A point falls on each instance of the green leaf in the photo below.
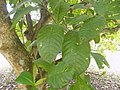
(76, 52)
(27, 44)
(37, 1)
(78, 6)
(39, 82)
(12, 2)
(25, 78)
(49, 41)
(104, 4)
(110, 8)
(17, 6)
(34, 88)
(72, 2)
(34, 72)
(59, 77)
(59, 8)
(77, 19)
(50, 88)
(97, 39)
(20, 13)
(92, 27)
(43, 64)
(20, 24)
(81, 84)
(100, 60)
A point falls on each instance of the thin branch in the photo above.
(43, 20)
(29, 32)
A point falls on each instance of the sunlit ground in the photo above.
(113, 60)
(4, 64)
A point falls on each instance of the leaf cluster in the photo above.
(74, 23)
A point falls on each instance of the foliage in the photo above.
(50, 39)
(27, 78)
(73, 25)
(109, 41)
(83, 83)
(100, 60)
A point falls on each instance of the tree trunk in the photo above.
(10, 45)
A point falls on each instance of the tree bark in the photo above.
(10, 45)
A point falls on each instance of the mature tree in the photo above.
(65, 26)
(10, 45)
